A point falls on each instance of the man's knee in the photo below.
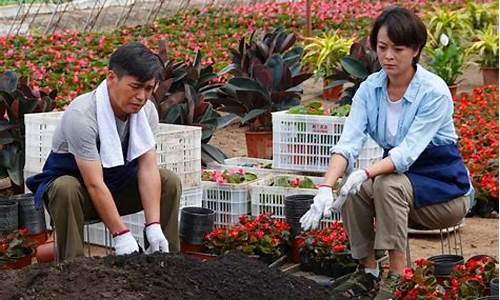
(63, 191)
(170, 181)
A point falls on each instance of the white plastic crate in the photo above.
(249, 164)
(266, 198)
(228, 200)
(178, 147)
(303, 142)
(135, 222)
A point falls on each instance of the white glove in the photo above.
(156, 239)
(351, 187)
(321, 207)
(125, 244)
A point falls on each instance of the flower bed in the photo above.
(326, 251)
(467, 280)
(476, 120)
(264, 236)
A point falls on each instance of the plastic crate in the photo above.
(228, 200)
(303, 142)
(266, 198)
(135, 222)
(178, 147)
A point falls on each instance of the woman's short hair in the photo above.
(136, 60)
(404, 28)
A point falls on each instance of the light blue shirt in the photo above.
(426, 119)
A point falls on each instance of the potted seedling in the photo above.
(485, 47)
(16, 250)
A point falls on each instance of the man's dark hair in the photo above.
(135, 60)
(403, 27)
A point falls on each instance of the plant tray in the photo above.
(271, 199)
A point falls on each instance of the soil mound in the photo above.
(156, 276)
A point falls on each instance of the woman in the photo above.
(421, 180)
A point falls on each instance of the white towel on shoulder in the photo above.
(141, 138)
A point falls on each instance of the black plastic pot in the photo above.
(30, 217)
(8, 216)
(295, 207)
(195, 223)
(443, 264)
(494, 287)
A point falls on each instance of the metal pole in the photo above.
(15, 18)
(94, 22)
(60, 17)
(49, 25)
(308, 18)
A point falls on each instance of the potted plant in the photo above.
(263, 236)
(294, 182)
(485, 46)
(354, 68)
(466, 281)
(16, 100)
(266, 79)
(179, 99)
(16, 250)
(326, 251)
(448, 61)
(324, 53)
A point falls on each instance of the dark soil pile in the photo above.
(157, 276)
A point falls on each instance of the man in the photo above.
(103, 161)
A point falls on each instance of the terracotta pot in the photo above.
(259, 144)
(490, 76)
(39, 238)
(332, 94)
(453, 90)
(46, 252)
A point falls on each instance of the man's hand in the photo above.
(125, 244)
(351, 187)
(156, 239)
(321, 207)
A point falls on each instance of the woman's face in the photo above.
(395, 59)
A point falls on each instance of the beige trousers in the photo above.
(378, 216)
(69, 206)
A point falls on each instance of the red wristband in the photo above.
(324, 185)
(151, 223)
(118, 233)
(367, 173)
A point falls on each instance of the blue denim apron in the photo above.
(60, 164)
(438, 175)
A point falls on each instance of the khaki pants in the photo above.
(378, 216)
(69, 205)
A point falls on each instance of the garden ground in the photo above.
(479, 235)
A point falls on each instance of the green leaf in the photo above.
(281, 181)
(228, 69)
(214, 153)
(253, 114)
(226, 120)
(276, 64)
(250, 176)
(307, 183)
(354, 67)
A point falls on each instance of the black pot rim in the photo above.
(199, 211)
(299, 197)
(446, 258)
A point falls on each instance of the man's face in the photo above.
(127, 94)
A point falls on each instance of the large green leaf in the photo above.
(214, 153)
(293, 56)
(8, 82)
(247, 84)
(354, 67)
(276, 64)
(226, 120)
(228, 69)
(253, 114)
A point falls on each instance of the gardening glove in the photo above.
(125, 244)
(321, 207)
(156, 239)
(351, 187)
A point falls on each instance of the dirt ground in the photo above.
(479, 235)
(156, 276)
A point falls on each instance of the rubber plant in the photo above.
(355, 68)
(179, 99)
(16, 100)
(267, 78)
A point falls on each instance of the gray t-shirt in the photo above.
(78, 133)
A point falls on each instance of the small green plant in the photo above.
(444, 20)
(228, 176)
(485, 47)
(295, 182)
(481, 15)
(448, 60)
(324, 52)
